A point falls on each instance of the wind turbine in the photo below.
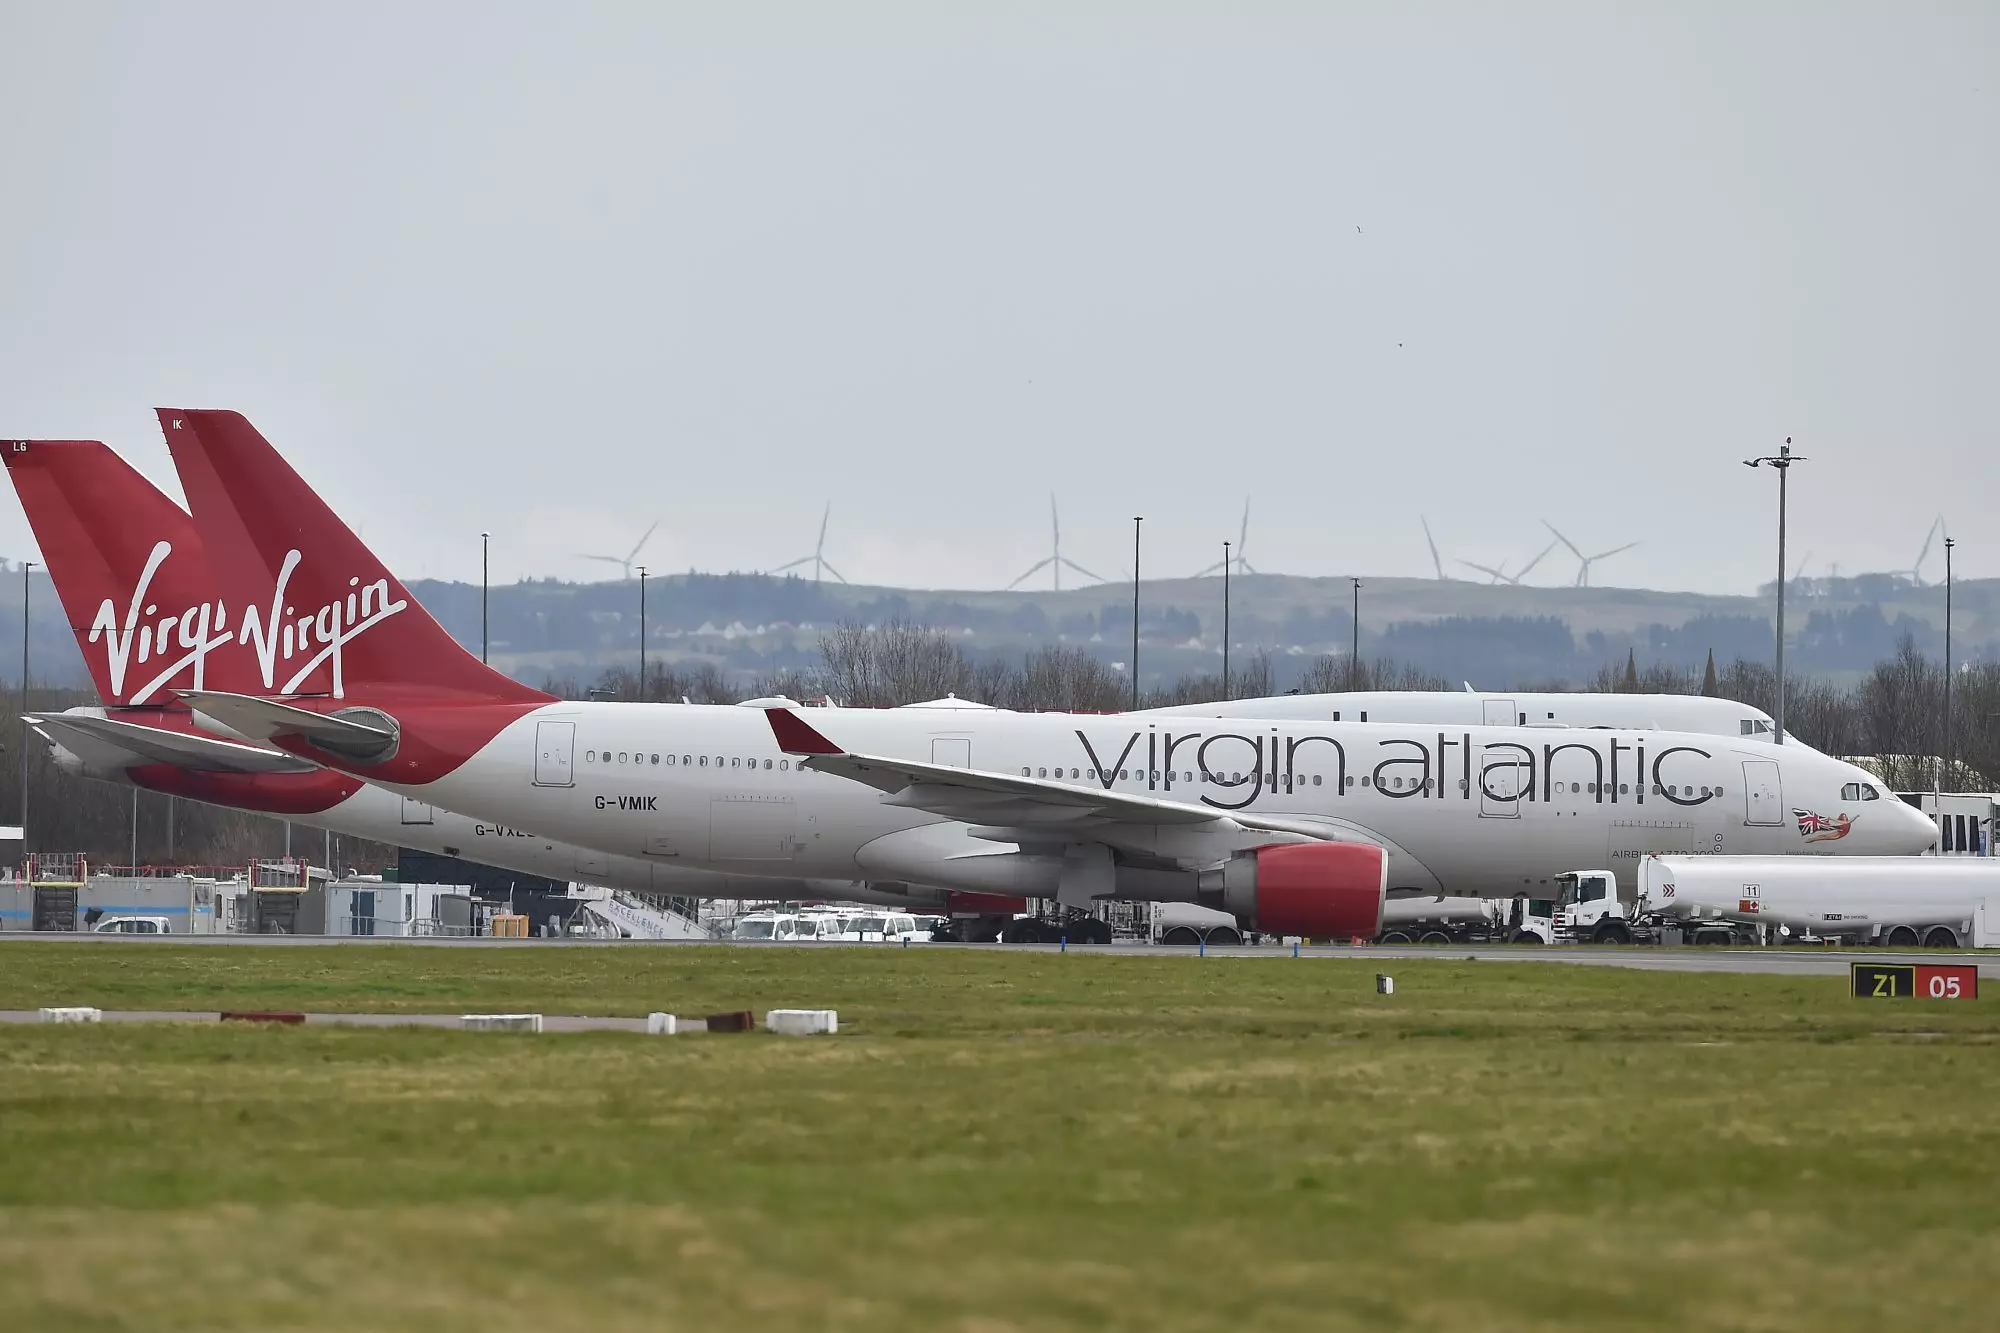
(1501, 575)
(1436, 563)
(625, 562)
(1916, 571)
(1055, 560)
(1236, 559)
(818, 558)
(1584, 562)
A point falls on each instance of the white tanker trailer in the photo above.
(1904, 901)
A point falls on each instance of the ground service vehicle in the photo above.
(1902, 901)
(133, 925)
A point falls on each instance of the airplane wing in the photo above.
(999, 799)
(157, 746)
(263, 719)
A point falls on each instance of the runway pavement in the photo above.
(1686, 958)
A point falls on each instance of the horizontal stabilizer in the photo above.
(263, 719)
(178, 748)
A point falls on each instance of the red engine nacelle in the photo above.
(1331, 889)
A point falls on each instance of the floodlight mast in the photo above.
(1782, 461)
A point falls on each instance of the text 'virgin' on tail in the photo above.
(321, 612)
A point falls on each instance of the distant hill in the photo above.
(1497, 635)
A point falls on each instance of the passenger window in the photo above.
(1042, 773)
(1365, 781)
(1573, 787)
(1073, 773)
(784, 764)
(1123, 775)
(590, 756)
(767, 764)
(686, 759)
(1350, 781)
(1315, 779)
(656, 759)
(704, 761)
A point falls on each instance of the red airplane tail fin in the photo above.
(321, 614)
(130, 571)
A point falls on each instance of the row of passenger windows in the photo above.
(1393, 783)
(687, 760)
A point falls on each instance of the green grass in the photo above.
(995, 1141)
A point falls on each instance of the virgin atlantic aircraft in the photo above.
(1296, 827)
(135, 582)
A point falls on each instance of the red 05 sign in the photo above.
(1947, 981)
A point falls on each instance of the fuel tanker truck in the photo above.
(1904, 901)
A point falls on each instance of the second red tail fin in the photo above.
(321, 614)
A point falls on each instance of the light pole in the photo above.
(1945, 767)
(642, 633)
(1782, 461)
(1225, 620)
(1354, 648)
(485, 541)
(1136, 521)
(26, 565)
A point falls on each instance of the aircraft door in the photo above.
(555, 754)
(954, 752)
(1502, 775)
(1763, 793)
(753, 826)
(1499, 713)
(416, 812)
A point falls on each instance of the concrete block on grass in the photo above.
(501, 1022)
(802, 1022)
(72, 1014)
(662, 1025)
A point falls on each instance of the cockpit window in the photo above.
(1869, 792)
(1851, 792)
(1754, 726)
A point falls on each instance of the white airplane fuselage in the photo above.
(1465, 810)
(1504, 708)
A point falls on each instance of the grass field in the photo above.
(995, 1141)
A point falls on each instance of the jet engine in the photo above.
(1307, 888)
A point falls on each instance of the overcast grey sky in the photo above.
(558, 271)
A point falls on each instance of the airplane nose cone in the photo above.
(1917, 829)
